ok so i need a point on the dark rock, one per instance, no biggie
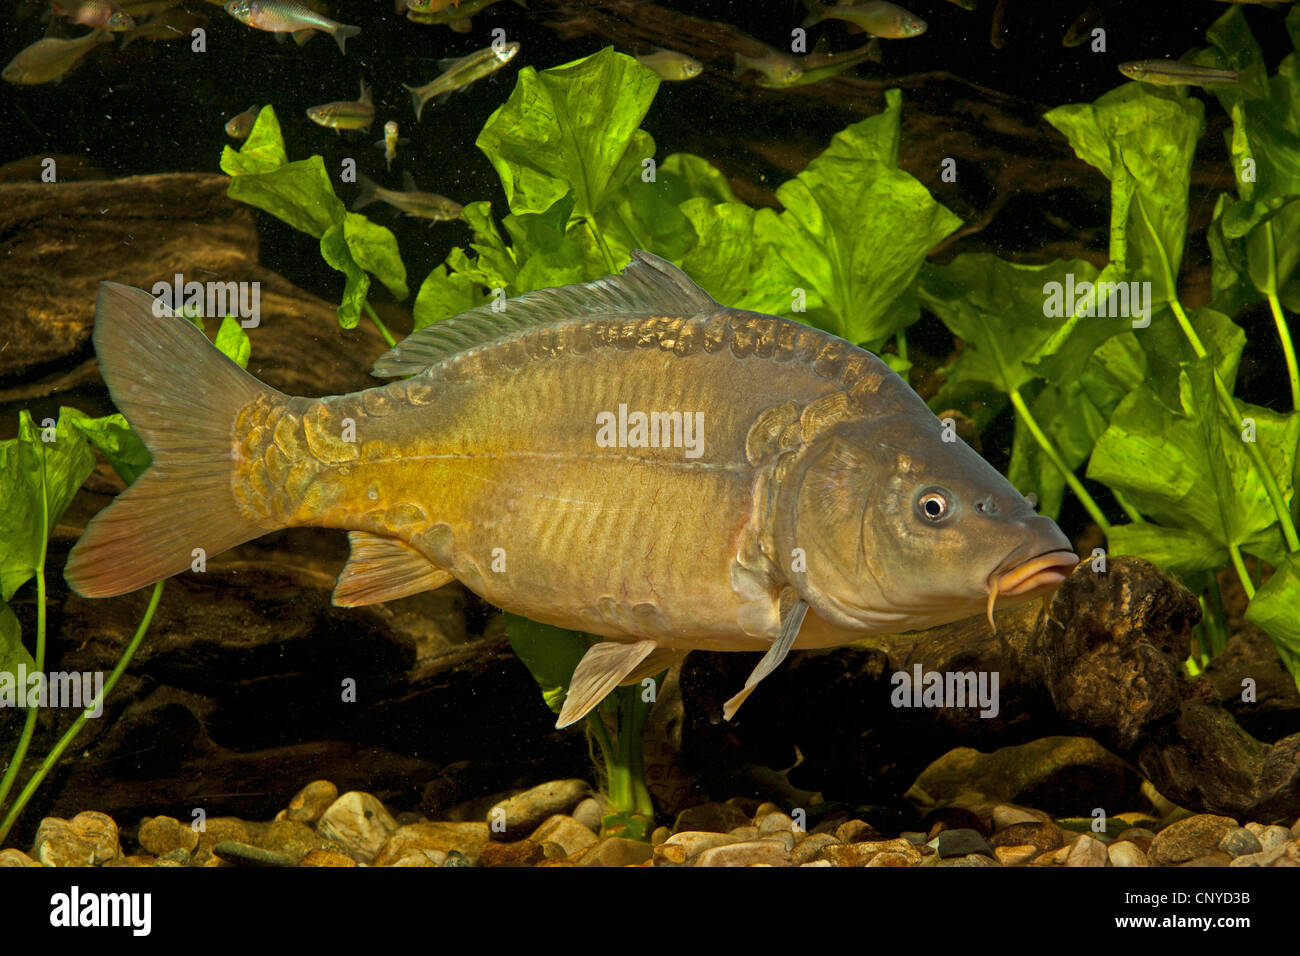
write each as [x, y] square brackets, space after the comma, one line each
[1191, 838]
[961, 842]
[519, 853]
[241, 854]
[1045, 836]
[711, 817]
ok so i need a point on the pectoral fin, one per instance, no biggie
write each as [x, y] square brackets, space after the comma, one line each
[384, 569]
[772, 659]
[602, 668]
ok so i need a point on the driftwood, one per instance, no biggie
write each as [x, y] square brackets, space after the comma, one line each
[1105, 661]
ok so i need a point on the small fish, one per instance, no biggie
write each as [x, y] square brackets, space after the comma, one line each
[430, 6]
[101, 14]
[49, 59]
[877, 17]
[411, 200]
[671, 65]
[168, 25]
[453, 14]
[345, 114]
[460, 72]
[1175, 73]
[822, 66]
[289, 16]
[240, 126]
[389, 143]
[687, 470]
[780, 69]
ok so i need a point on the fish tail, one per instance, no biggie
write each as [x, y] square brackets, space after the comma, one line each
[183, 398]
[417, 100]
[341, 34]
[816, 13]
[369, 190]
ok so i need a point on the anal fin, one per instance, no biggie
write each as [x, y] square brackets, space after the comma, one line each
[384, 569]
[772, 659]
[602, 668]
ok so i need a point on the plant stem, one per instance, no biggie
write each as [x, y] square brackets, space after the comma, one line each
[1283, 333]
[1049, 449]
[1129, 508]
[901, 343]
[52, 758]
[600, 242]
[379, 325]
[1239, 566]
[29, 719]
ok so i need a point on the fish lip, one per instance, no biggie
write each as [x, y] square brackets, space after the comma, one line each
[1014, 576]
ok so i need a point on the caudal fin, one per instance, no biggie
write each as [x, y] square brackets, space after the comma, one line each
[369, 189]
[341, 34]
[182, 396]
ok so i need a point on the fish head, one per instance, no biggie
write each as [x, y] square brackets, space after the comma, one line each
[506, 51]
[322, 115]
[13, 73]
[901, 530]
[241, 10]
[910, 25]
[691, 68]
[117, 20]
[1134, 70]
[790, 71]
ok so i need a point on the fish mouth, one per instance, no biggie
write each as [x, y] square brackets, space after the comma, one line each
[1041, 574]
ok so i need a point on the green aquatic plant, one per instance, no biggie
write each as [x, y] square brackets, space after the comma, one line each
[40, 472]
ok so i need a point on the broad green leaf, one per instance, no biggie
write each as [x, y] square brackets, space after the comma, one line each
[1230, 282]
[550, 653]
[232, 340]
[299, 194]
[645, 215]
[496, 261]
[571, 128]
[1143, 141]
[115, 439]
[374, 248]
[1274, 608]
[856, 230]
[262, 152]
[442, 296]
[1004, 313]
[334, 249]
[1178, 551]
[1191, 472]
[875, 137]
[12, 652]
[1092, 310]
[687, 176]
[1167, 347]
[36, 474]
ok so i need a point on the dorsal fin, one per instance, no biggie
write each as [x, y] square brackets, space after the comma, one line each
[648, 286]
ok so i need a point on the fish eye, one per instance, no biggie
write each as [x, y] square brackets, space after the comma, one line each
[933, 504]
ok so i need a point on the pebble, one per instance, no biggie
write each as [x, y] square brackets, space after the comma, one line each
[327, 858]
[99, 830]
[669, 854]
[960, 842]
[1007, 814]
[697, 841]
[1263, 858]
[915, 836]
[1189, 838]
[1240, 842]
[161, 835]
[311, 802]
[617, 851]
[179, 856]
[1270, 838]
[216, 830]
[890, 858]
[745, 833]
[359, 823]
[244, 854]
[1087, 851]
[519, 853]
[292, 839]
[567, 832]
[746, 805]
[1141, 837]
[785, 838]
[812, 845]
[713, 817]
[660, 835]
[13, 857]
[775, 822]
[1125, 853]
[763, 810]
[57, 844]
[974, 859]
[435, 839]
[590, 812]
[860, 854]
[524, 812]
[817, 863]
[852, 830]
[1015, 855]
[1209, 859]
[1045, 836]
[745, 854]
[1295, 829]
